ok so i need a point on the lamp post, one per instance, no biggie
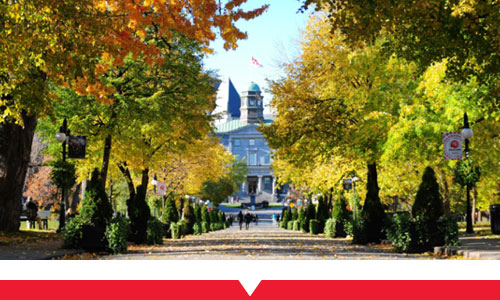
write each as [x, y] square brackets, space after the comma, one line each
[62, 137]
[467, 135]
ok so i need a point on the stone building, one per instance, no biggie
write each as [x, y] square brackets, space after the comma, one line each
[240, 116]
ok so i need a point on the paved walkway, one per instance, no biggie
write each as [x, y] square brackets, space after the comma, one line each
[474, 247]
[262, 241]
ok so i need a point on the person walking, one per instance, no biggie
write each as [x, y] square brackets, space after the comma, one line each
[256, 219]
[248, 219]
[240, 219]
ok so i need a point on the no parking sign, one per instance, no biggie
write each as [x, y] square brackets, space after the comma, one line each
[452, 142]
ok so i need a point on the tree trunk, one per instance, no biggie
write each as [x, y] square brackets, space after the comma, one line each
[130, 184]
[445, 192]
[105, 158]
[15, 149]
[75, 199]
[474, 197]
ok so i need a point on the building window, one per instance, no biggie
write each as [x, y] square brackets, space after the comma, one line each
[252, 159]
[267, 159]
[251, 102]
[268, 185]
[251, 142]
[236, 142]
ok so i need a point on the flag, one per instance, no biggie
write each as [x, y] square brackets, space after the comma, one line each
[256, 62]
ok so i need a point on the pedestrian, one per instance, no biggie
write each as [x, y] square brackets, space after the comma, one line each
[248, 219]
[278, 218]
[240, 219]
[256, 220]
[230, 220]
[32, 211]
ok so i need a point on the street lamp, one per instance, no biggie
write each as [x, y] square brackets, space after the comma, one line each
[62, 137]
[467, 134]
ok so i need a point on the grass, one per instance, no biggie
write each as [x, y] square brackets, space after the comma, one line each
[237, 205]
[275, 204]
[53, 225]
[480, 229]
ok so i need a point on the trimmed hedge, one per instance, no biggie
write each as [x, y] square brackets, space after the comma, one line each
[154, 232]
[197, 228]
[205, 228]
[421, 234]
[117, 232]
[330, 228]
[296, 225]
[314, 226]
[289, 225]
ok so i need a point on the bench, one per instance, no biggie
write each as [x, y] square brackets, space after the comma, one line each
[44, 216]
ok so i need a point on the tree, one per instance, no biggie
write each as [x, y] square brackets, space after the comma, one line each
[170, 214]
[340, 214]
[428, 201]
[338, 101]
[39, 51]
[189, 217]
[322, 213]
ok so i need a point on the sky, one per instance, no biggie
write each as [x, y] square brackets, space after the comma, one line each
[272, 38]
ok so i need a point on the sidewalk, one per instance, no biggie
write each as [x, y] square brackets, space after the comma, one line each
[473, 247]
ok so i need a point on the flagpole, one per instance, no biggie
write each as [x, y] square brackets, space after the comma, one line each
[251, 70]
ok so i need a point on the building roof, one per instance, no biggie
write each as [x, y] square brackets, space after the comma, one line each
[234, 125]
[253, 87]
[228, 99]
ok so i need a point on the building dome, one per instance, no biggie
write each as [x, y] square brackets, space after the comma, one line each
[254, 87]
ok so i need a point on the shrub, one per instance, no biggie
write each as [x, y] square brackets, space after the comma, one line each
[340, 214]
[170, 215]
[359, 233]
[289, 225]
[197, 228]
[294, 215]
[286, 218]
[428, 201]
[371, 229]
[355, 204]
[139, 214]
[72, 233]
[175, 231]
[154, 232]
[330, 228]
[205, 217]
[400, 232]
[296, 225]
[421, 234]
[197, 212]
[314, 226]
[205, 227]
[349, 227]
[449, 230]
[183, 228]
[117, 232]
[322, 213]
[189, 217]
[95, 207]
[214, 217]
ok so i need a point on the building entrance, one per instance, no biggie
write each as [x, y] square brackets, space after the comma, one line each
[252, 185]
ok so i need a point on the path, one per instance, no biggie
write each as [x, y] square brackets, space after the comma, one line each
[262, 241]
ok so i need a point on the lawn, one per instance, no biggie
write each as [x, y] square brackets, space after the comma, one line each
[480, 229]
[53, 225]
